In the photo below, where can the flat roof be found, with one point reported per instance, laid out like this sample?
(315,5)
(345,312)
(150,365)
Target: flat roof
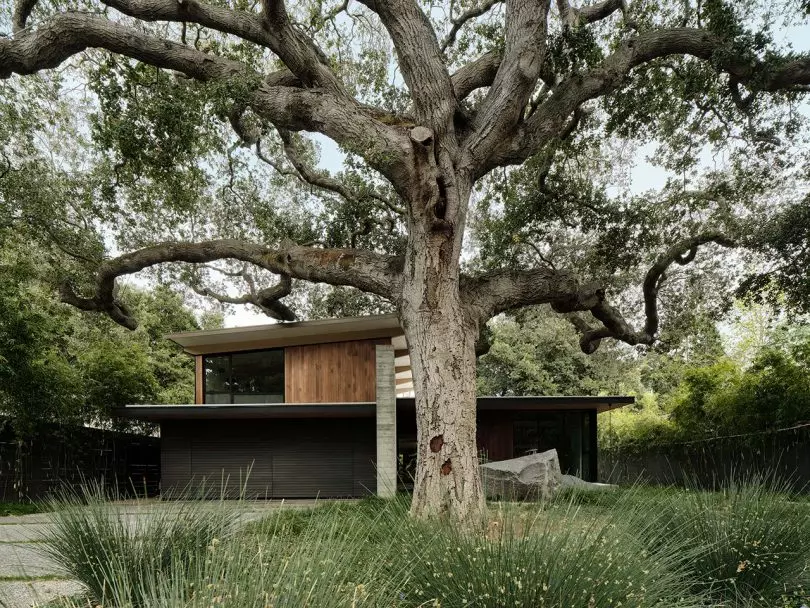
(157,413)
(273,335)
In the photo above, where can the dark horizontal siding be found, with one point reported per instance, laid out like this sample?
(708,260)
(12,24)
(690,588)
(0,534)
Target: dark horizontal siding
(273,458)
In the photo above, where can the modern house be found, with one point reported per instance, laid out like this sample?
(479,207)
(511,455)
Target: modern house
(325,408)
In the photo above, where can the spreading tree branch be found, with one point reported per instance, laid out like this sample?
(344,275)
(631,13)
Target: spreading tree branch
(421,61)
(268,300)
(552,115)
(613,323)
(573,17)
(323,180)
(496,292)
(356,268)
(466,16)
(526,31)
(476,74)
(290,107)
(22,10)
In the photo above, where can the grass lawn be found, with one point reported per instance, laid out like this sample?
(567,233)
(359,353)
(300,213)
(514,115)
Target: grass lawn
(20,508)
(747,547)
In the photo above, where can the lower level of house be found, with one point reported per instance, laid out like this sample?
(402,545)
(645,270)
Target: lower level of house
(314,450)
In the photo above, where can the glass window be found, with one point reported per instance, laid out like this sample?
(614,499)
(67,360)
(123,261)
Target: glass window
(258,377)
(541,431)
(218,379)
(253,377)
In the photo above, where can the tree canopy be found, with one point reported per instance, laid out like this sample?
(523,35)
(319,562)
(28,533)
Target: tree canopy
(486,149)
(59,365)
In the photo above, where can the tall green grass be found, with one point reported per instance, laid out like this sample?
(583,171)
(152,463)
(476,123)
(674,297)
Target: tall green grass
(634,548)
(560,556)
(754,537)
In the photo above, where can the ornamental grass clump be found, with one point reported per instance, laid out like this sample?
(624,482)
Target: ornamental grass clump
(554,556)
(754,540)
(114,552)
(194,554)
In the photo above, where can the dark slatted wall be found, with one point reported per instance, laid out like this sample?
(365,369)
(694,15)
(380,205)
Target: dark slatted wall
(271,458)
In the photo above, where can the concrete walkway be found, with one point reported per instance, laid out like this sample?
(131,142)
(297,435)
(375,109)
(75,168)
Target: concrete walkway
(28,578)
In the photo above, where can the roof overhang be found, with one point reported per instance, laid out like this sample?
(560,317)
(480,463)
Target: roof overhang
(277,335)
(158,413)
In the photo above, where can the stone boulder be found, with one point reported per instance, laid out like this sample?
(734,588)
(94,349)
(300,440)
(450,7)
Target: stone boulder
(532,477)
(572,481)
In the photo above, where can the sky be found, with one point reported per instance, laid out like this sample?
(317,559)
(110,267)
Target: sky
(644,175)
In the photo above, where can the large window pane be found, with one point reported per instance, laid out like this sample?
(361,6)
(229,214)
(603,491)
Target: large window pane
(541,431)
(254,377)
(258,377)
(218,379)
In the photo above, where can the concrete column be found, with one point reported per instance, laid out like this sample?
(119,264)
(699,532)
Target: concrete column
(386,422)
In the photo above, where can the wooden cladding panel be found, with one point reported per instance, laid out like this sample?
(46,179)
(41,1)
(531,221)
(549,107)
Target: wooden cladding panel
(336,372)
(199,396)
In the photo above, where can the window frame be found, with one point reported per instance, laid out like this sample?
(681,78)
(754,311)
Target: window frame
(230,355)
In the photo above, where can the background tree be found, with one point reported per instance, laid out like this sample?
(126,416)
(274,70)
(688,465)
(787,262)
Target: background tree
(59,365)
(432,103)
(536,353)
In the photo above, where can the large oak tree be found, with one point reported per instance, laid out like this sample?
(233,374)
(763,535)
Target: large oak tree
(472,88)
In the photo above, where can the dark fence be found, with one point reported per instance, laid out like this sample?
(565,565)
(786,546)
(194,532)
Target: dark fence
(57,457)
(711,462)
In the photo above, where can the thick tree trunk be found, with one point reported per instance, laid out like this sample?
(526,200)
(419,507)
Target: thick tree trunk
(442,349)
(441,331)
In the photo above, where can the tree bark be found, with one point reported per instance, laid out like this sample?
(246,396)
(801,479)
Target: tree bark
(442,350)
(441,330)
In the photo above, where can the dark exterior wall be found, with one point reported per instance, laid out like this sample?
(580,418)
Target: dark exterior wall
(57,457)
(494,435)
(271,458)
(714,463)
(337,372)
(496,439)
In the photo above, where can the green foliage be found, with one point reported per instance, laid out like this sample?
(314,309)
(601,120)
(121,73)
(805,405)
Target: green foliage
(12,509)
(538,353)
(324,302)
(785,238)
(645,423)
(714,396)
(58,364)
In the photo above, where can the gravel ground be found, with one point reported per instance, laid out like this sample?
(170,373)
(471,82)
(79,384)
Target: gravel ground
(33,593)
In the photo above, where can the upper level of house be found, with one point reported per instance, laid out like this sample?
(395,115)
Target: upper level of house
(307,362)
